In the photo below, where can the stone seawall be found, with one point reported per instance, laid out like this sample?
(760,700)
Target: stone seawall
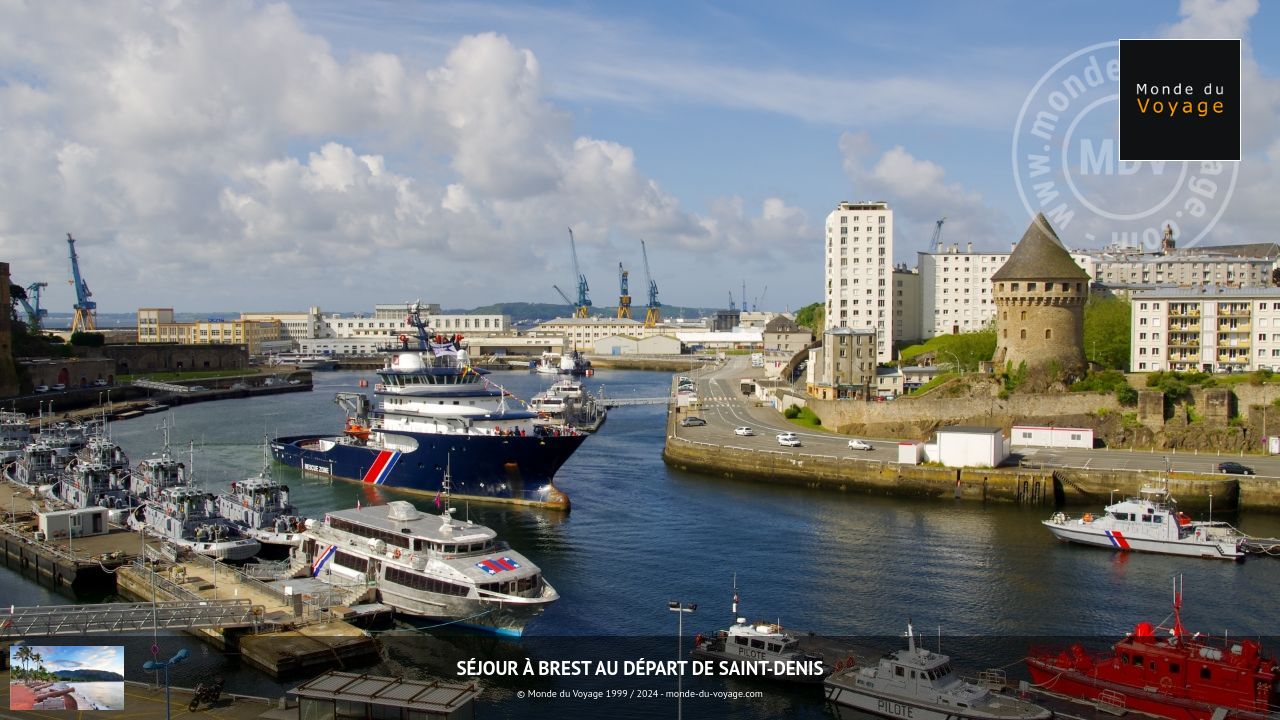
(918,417)
(1045,486)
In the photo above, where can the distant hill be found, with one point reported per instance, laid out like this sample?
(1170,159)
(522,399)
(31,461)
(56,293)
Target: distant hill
(528,312)
(89,675)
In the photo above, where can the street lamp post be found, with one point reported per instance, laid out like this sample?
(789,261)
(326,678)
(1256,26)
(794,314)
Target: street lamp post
(165,665)
(680,609)
(955,357)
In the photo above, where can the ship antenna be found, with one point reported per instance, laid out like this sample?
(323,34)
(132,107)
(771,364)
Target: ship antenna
(911,637)
(1178,630)
(735,594)
(446,484)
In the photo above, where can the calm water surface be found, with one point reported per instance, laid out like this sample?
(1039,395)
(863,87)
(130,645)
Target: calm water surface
(641,534)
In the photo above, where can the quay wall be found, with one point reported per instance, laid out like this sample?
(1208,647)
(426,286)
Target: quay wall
(918,417)
(1032,486)
(1017,485)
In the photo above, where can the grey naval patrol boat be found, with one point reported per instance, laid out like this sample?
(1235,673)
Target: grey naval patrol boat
(775,651)
(921,685)
(429,566)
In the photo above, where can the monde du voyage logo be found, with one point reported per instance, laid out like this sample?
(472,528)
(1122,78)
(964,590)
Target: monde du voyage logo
(1168,161)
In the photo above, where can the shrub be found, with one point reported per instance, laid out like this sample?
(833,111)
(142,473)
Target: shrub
(791,413)
(1126,395)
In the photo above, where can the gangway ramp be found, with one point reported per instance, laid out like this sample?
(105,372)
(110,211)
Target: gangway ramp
(621,402)
(126,617)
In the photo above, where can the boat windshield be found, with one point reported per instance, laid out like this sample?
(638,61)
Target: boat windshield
(939,672)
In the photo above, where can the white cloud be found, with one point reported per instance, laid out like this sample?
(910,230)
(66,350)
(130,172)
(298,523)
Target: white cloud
(919,194)
(220,156)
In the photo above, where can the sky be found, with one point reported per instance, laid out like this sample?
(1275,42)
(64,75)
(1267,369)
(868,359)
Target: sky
(78,657)
(249,156)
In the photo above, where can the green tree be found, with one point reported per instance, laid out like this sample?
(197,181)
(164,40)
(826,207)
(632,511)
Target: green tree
(812,316)
(965,349)
(88,339)
(1106,331)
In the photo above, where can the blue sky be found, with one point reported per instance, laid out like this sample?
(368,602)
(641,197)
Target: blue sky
(251,156)
(78,657)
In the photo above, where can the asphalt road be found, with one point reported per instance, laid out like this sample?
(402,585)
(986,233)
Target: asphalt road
(724,407)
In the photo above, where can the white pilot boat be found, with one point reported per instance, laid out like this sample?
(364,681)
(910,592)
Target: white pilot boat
(1150,522)
(429,566)
(921,685)
(768,645)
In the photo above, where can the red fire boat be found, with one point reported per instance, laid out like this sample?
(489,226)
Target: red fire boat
(1166,672)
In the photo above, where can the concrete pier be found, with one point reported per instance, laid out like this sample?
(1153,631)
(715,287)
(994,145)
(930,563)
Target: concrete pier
(297,633)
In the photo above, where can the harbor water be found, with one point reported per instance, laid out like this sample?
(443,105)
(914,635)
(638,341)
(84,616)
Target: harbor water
(641,535)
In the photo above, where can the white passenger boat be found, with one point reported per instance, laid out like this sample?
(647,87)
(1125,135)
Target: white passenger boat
(430,566)
(922,685)
(1150,522)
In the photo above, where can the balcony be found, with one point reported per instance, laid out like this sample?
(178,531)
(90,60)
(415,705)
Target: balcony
(1239,327)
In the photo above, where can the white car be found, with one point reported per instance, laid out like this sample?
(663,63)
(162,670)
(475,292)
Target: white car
(860,445)
(744,431)
(789,441)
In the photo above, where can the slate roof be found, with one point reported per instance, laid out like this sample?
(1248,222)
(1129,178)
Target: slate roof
(1040,255)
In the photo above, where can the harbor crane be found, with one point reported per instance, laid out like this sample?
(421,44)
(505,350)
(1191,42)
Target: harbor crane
(732,306)
(584,300)
(652,313)
(567,301)
(755,304)
(86,317)
(31,304)
(937,234)
(624,295)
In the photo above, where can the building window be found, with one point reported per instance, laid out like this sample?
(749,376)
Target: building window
(1024,334)
(1048,334)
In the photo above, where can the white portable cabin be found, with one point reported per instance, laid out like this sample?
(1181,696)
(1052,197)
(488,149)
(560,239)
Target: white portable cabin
(968,446)
(81,522)
(1050,437)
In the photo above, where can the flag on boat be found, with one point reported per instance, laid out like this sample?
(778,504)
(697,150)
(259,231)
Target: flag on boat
(494,566)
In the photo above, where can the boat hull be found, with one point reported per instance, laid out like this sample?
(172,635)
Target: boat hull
(1085,688)
(483,467)
(1084,535)
(840,690)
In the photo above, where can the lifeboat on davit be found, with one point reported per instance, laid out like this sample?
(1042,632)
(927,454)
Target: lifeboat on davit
(356,430)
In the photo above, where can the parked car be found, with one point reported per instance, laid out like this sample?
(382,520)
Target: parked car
(42,388)
(693,422)
(99,383)
(59,387)
(743,431)
(789,441)
(1235,468)
(856,444)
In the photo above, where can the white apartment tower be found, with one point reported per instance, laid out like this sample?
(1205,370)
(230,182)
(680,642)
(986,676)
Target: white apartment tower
(859,271)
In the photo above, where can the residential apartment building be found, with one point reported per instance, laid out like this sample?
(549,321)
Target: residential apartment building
(783,336)
(859,263)
(845,365)
(955,288)
(1211,329)
(1186,269)
(908,310)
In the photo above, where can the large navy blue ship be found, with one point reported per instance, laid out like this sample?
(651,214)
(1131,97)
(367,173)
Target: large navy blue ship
(430,409)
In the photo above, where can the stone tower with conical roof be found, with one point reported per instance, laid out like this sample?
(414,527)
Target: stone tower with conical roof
(1039,295)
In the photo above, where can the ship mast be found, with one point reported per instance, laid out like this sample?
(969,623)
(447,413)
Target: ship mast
(1178,630)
